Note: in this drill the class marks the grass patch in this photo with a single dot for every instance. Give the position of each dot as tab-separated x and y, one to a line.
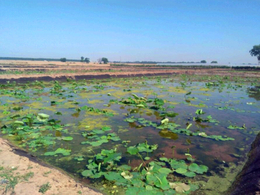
44	188
9	179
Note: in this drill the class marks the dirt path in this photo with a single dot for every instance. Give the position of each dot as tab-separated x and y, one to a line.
20	175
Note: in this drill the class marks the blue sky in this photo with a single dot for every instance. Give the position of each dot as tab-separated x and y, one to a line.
154	30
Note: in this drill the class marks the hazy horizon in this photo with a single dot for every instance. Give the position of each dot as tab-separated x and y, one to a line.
163	30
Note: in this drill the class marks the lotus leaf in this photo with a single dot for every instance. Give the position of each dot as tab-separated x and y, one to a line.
132	150
127	175
19	123
162	183
43	117
180	187
178	164
132	190
200	169
199	112
189	174
58	151
63	151
130	120
164	171
79	158
49	153
112	176
165	121
87	173
67	138
148	187
181	170
124	168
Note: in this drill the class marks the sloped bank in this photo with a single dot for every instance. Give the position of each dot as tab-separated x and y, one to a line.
248	180
21	78
22	174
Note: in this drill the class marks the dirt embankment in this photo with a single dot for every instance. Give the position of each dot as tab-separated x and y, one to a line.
23	71
20	175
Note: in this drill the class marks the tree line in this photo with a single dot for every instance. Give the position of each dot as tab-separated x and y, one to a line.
87	60
255	51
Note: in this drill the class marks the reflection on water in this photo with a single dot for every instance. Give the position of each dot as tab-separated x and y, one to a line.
254	92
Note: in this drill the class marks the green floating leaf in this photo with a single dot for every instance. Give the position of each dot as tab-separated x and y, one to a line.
58	151
200	169
132	150
165	121
140	106
178	164
18	122
63	151
132	190
165	171
112	176
162	183
149	188
236	127
147	158
127	175
124	168
130	120
106	128
181	170
189	174
199	112
43	117
67	138
87	173
49	153
79	158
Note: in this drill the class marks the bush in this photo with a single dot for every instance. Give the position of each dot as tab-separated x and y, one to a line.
63	59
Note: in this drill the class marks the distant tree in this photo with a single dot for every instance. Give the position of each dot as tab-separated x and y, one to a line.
203	61
63	59
82	59
214	62
256	52
104	60
87	60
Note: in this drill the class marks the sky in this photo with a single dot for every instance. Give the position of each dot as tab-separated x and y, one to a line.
136	30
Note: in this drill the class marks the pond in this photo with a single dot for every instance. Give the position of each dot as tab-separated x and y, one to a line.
156	135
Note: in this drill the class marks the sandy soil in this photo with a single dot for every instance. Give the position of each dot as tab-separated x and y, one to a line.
47	63
18	166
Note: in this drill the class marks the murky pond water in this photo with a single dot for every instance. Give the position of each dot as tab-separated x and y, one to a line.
137	135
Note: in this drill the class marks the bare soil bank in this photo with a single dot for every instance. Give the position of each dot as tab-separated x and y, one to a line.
21	174
122	73
47	71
